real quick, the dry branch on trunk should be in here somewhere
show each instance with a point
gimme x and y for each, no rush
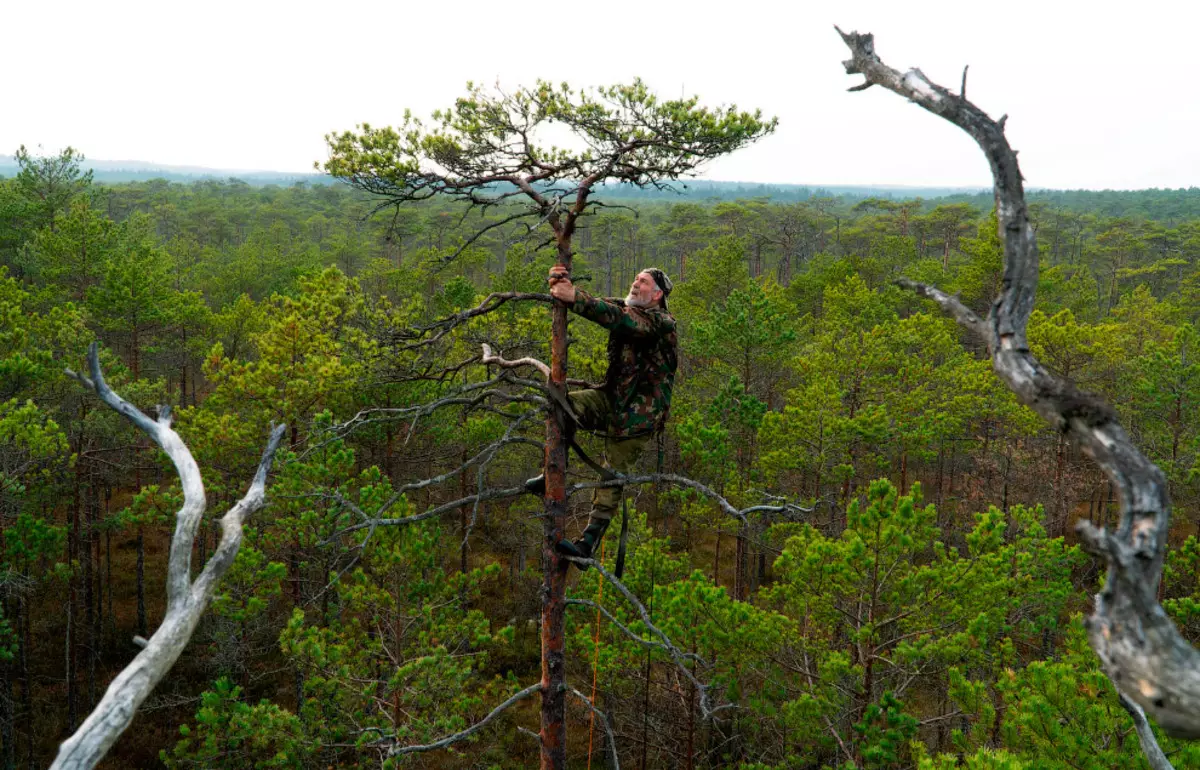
(186, 599)
(1139, 647)
(608, 731)
(456, 737)
(491, 358)
(678, 656)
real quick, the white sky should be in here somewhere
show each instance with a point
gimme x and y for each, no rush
(1096, 98)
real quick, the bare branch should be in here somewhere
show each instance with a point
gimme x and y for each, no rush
(466, 244)
(1154, 753)
(612, 739)
(484, 496)
(630, 632)
(469, 396)
(952, 306)
(677, 655)
(443, 326)
(682, 481)
(456, 737)
(491, 358)
(186, 600)
(1139, 647)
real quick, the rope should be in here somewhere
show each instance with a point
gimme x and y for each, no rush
(595, 662)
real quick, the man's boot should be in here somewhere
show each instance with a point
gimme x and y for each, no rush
(536, 486)
(585, 546)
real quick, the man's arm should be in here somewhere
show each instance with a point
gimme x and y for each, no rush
(631, 321)
(614, 316)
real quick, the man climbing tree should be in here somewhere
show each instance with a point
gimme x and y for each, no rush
(489, 153)
(632, 406)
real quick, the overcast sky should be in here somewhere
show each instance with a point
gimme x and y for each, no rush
(1096, 99)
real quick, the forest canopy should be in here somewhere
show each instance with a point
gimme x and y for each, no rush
(908, 593)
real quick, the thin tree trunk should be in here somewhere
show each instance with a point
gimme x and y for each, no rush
(112, 617)
(554, 569)
(8, 699)
(26, 692)
(89, 595)
(691, 719)
(141, 582)
(717, 560)
(646, 689)
(72, 656)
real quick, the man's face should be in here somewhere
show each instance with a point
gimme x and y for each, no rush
(644, 292)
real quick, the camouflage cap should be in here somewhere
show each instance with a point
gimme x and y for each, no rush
(662, 281)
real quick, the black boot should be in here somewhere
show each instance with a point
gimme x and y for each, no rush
(585, 546)
(536, 485)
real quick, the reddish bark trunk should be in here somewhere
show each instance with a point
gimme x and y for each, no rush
(554, 728)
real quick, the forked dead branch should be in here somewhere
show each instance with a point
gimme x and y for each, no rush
(187, 599)
(1140, 648)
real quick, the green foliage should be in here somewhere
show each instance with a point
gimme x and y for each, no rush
(231, 733)
(874, 629)
(656, 139)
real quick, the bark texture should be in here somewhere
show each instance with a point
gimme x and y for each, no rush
(1139, 647)
(186, 599)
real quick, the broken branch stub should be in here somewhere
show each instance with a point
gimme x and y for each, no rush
(186, 599)
(1139, 647)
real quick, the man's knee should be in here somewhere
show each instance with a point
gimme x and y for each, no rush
(591, 407)
(605, 501)
(623, 454)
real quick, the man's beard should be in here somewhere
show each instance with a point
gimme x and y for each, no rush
(633, 301)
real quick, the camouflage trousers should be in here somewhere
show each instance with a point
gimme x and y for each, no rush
(620, 454)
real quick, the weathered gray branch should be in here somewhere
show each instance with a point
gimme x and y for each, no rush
(484, 496)
(631, 633)
(612, 738)
(1154, 753)
(456, 737)
(491, 358)
(678, 656)
(1139, 647)
(684, 481)
(186, 599)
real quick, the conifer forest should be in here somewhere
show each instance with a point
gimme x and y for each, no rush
(263, 452)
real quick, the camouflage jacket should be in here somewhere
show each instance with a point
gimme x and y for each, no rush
(642, 358)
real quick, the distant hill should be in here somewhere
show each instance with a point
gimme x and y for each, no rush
(702, 189)
(117, 171)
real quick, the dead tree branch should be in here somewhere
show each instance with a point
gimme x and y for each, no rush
(678, 656)
(631, 633)
(612, 738)
(456, 737)
(1154, 753)
(491, 358)
(417, 336)
(186, 599)
(1139, 647)
(684, 481)
(484, 496)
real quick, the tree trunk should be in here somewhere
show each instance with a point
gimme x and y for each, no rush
(8, 759)
(89, 595)
(26, 693)
(112, 617)
(72, 643)
(717, 560)
(554, 569)
(462, 488)
(1058, 525)
(739, 564)
(141, 582)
